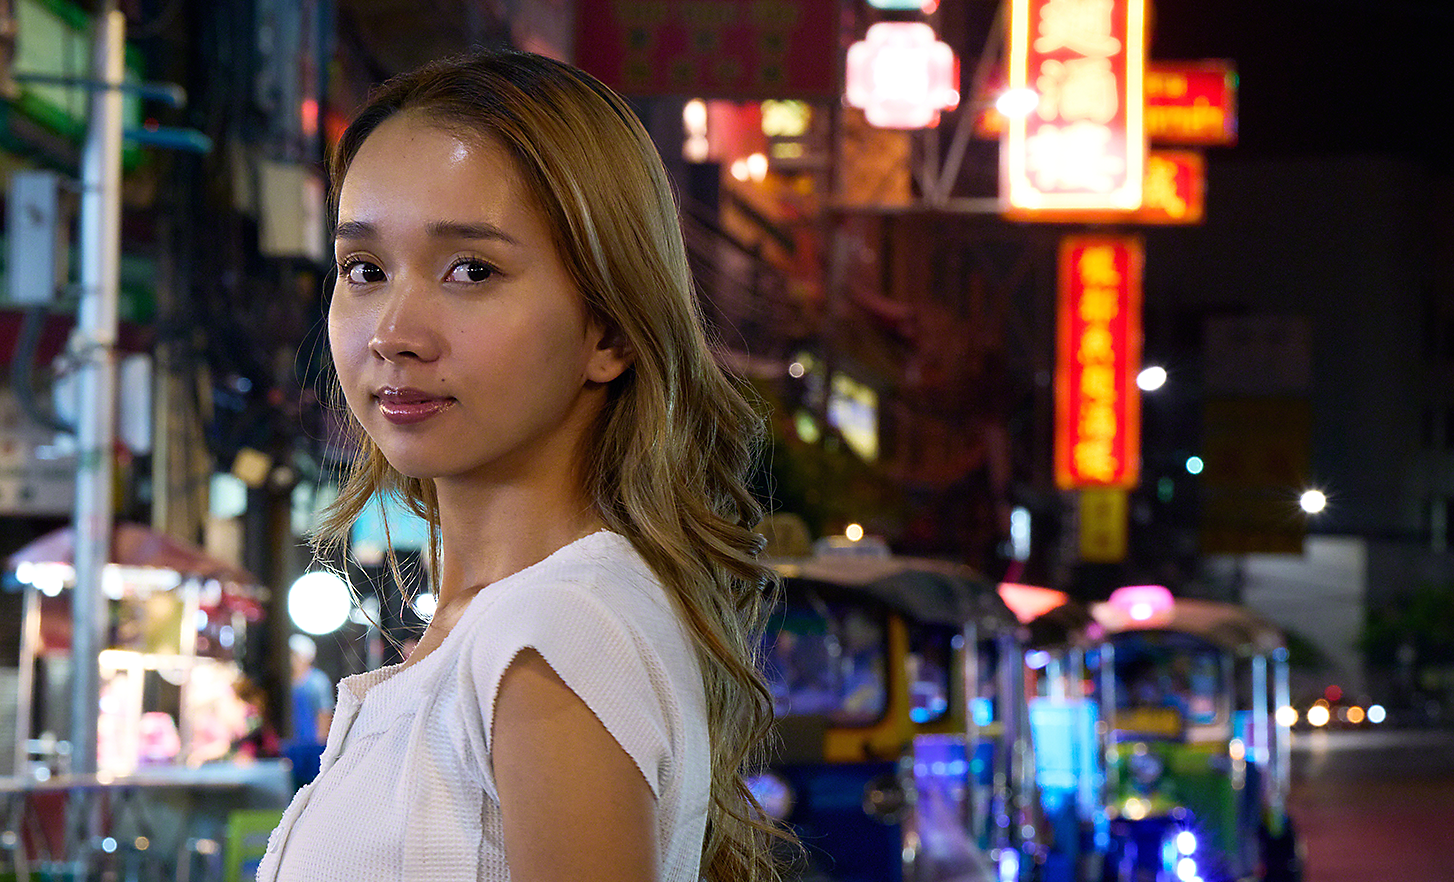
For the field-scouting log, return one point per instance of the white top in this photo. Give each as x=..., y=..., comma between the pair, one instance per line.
x=406, y=789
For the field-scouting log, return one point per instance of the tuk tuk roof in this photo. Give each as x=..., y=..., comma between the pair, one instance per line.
x=1227, y=625
x=932, y=591
x=1065, y=625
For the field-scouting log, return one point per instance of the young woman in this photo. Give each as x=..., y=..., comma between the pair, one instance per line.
x=515, y=334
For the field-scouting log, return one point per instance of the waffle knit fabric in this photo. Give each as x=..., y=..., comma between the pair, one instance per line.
x=406, y=791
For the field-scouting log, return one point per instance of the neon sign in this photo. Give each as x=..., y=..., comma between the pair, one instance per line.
x=1084, y=145
x=902, y=76
x=1192, y=103
x=1097, y=404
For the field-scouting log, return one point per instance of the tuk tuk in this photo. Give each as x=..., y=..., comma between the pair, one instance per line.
x=1068, y=762
x=1196, y=760
x=896, y=686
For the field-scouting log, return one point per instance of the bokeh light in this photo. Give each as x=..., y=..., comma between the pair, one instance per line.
x=318, y=602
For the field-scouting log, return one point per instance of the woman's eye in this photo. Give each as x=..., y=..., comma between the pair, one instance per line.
x=471, y=271
x=361, y=272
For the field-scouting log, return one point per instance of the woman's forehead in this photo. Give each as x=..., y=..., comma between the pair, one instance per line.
x=409, y=165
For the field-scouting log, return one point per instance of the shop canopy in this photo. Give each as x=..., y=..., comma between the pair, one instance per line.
x=134, y=545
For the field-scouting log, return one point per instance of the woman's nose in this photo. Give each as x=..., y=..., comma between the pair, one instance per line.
x=405, y=330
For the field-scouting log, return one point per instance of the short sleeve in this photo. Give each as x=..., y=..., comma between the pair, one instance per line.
x=322, y=689
x=594, y=651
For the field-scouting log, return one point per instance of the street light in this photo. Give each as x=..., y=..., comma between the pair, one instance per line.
x=1015, y=103
x=1151, y=378
x=1313, y=501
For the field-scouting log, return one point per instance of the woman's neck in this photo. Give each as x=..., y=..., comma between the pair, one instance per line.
x=488, y=533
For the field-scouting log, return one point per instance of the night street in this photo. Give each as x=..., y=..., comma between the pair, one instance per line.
x=570, y=439
x=1374, y=805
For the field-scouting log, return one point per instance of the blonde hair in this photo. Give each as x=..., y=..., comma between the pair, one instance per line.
x=667, y=463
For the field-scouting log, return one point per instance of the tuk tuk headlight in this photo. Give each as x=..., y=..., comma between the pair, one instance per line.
x=772, y=793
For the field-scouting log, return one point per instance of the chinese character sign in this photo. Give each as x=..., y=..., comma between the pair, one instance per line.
x=1172, y=192
x=740, y=49
x=1084, y=145
x=1097, y=404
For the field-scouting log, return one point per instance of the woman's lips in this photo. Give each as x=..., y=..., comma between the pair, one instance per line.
x=404, y=407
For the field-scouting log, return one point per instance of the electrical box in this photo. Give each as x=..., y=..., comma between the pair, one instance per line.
x=33, y=225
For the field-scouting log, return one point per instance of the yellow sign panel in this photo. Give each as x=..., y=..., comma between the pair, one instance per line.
x=1146, y=720
x=1102, y=525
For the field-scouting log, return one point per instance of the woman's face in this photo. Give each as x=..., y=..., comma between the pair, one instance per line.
x=460, y=341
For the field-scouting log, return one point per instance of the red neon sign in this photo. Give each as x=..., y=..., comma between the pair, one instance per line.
x=1097, y=403
x=1191, y=103
x=902, y=76
x=1084, y=145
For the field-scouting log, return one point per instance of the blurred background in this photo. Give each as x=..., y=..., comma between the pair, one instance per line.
x=864, y=263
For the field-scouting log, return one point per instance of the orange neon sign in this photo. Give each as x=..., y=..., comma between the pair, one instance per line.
x=1174, y=189
x=1084, y=144
x=1097, y=403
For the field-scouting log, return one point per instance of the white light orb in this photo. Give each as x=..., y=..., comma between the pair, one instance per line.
x=1152, y=378
x=854, y=532
x=1017, y=102
x=1318, y=715
x=319, y=602
x=694, y=116
x=1313, y=501
x=425, y=603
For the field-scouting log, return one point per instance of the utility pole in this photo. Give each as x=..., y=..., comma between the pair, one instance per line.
x=96, y=332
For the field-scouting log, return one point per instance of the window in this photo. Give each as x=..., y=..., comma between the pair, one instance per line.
x=929, y=665
x=827, y=658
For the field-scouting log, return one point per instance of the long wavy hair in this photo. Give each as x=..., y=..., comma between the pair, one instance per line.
x=667, y=462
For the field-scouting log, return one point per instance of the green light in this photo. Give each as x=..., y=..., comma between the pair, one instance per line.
x=807, y=427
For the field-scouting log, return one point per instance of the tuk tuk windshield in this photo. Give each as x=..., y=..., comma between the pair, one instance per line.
x=1166, y=682
x=826, y=658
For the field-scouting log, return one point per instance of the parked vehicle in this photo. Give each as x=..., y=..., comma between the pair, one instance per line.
x=1174, y=727
x=896, y=685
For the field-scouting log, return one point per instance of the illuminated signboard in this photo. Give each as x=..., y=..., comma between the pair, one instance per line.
x=711, y=48
x=1193, y=103
x=1174, y=189
x=902, y=76
x=1173, y=192
x=1097, y=404
x=1084, y=145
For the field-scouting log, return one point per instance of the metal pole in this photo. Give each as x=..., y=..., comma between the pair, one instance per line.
x=100, y=239
x=25, y=681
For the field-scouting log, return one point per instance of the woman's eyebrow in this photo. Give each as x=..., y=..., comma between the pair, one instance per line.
x=357, y=230
x=469, y=230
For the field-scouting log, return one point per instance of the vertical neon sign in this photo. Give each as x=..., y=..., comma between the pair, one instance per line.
x=1097, y=404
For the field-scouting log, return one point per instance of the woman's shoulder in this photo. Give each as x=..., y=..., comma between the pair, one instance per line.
x=601, y=574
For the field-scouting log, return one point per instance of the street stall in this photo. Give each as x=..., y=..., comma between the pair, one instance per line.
x=178, y=722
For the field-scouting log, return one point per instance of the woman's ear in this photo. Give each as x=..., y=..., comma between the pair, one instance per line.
x=612, y=356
